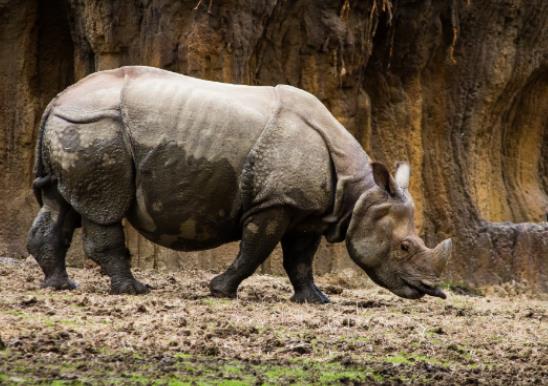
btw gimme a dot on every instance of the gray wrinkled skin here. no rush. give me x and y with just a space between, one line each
193 164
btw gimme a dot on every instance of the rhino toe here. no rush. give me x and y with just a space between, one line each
59 283
310 294
129 287
221 287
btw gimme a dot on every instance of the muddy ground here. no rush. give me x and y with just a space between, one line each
179 335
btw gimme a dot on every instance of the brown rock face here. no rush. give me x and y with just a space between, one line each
458 88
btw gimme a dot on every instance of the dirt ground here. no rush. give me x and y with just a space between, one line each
179 335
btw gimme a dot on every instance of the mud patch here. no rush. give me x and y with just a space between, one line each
203 192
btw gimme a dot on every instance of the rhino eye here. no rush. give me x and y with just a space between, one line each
405 246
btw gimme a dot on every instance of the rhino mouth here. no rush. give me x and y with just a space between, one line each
425 288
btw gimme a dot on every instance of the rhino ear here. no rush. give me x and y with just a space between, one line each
383 178
403 171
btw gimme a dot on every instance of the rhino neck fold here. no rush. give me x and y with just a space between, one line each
347 193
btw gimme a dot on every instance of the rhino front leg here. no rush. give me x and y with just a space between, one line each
298 253
260 234
105 245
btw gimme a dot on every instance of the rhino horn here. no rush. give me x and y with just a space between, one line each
440 256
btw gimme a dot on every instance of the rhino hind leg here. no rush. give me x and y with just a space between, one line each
261 232
50 236
298 253
105 244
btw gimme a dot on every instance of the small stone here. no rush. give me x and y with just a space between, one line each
438 330
142 309
302 349
182 322
29 302
347 361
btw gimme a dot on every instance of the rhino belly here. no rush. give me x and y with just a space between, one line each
186 203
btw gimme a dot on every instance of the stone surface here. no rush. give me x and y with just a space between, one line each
458 88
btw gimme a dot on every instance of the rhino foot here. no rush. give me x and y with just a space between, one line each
220 287
59 283
310 294
129 286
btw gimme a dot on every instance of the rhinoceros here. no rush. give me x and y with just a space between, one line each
193 164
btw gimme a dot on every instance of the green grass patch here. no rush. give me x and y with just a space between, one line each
398 360
186 369
6 379
19 314
217 302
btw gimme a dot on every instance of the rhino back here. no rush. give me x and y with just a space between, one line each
208 120
190 139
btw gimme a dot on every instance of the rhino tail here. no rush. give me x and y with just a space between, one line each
41 171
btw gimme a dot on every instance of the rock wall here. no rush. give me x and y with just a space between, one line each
459 88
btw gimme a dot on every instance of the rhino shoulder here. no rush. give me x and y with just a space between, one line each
349 161
287 167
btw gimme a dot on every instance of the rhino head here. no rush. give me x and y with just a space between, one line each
382 239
